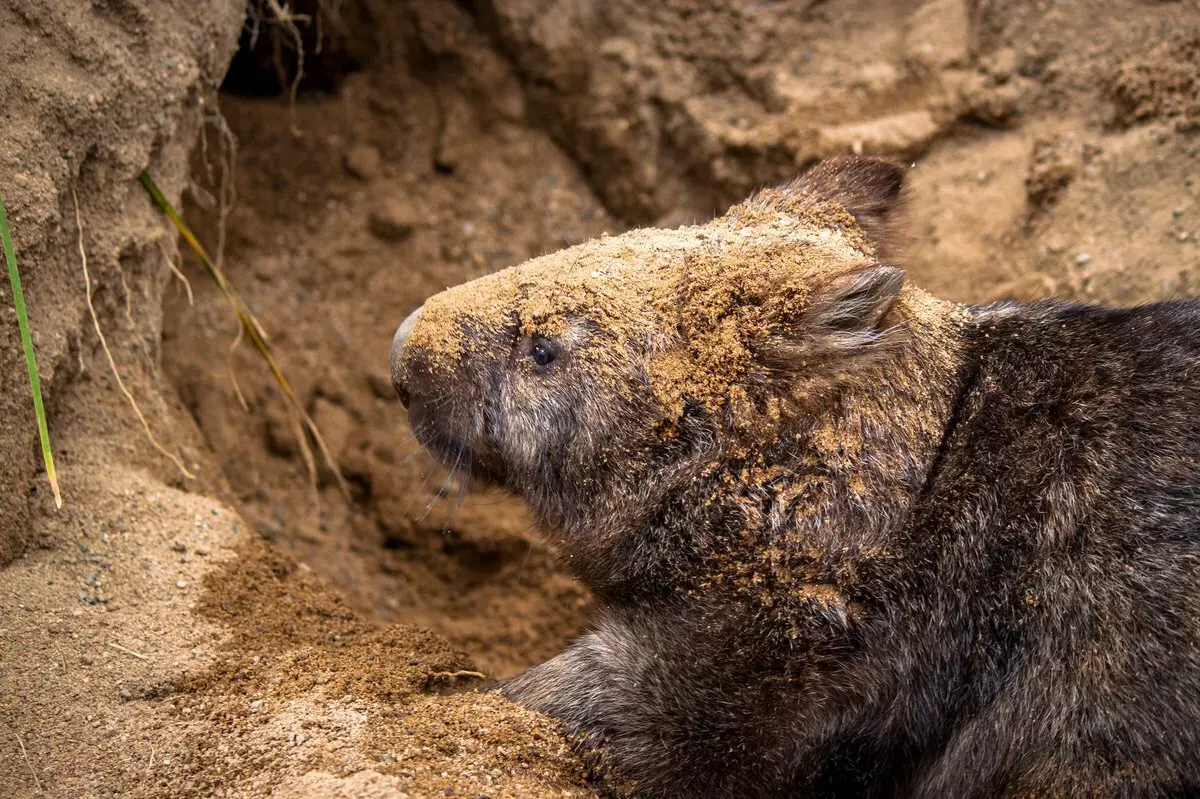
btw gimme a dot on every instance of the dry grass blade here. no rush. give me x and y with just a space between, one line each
37 784
253 330
129 652
35 385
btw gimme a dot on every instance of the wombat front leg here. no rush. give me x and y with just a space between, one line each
561 687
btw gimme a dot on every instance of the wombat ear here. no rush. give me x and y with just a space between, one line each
854 302
843 317
870 189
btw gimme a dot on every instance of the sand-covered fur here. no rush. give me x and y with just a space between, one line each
848 539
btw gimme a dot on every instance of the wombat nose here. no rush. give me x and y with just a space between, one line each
397 355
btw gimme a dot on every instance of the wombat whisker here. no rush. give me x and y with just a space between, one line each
412 498
415 454
528 554
433 464
441 400
486 496
464 481
429 506
441 492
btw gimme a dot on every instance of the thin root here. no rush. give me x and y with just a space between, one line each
287 19
256 335
454 675
297 417
226 191
120 648
187 284
87 283
128 297
233 372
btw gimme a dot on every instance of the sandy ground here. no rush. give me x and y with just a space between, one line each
246 634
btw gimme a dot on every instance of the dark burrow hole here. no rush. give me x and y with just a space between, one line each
335 39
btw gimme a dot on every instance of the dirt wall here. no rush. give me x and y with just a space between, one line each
91 95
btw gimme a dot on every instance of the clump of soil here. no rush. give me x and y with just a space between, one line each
440 142
307 689
1165 84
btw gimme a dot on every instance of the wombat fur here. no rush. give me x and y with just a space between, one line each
856 541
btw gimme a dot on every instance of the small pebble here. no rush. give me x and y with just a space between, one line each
1083 258
362 161
256 705
181 584
392 220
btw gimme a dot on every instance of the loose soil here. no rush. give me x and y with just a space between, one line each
248 634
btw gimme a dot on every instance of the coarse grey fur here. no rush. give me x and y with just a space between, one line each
1002 601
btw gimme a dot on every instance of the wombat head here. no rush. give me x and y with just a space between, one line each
594 381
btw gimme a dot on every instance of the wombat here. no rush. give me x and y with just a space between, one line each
846 539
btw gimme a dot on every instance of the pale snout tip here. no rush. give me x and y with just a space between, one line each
398 341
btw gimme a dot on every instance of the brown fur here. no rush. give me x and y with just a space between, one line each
847 540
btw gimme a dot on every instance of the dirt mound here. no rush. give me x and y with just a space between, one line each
305 689
148 631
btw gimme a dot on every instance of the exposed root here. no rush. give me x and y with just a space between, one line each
128 297
226 191
285 18
237 389
187 284
87 283
227 161
454 675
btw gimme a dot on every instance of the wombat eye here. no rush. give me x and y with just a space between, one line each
542 352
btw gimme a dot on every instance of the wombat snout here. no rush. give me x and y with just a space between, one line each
398 341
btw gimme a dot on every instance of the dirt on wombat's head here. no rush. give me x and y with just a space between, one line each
701 303
596 381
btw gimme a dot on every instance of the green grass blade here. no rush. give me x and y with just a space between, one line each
14 277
